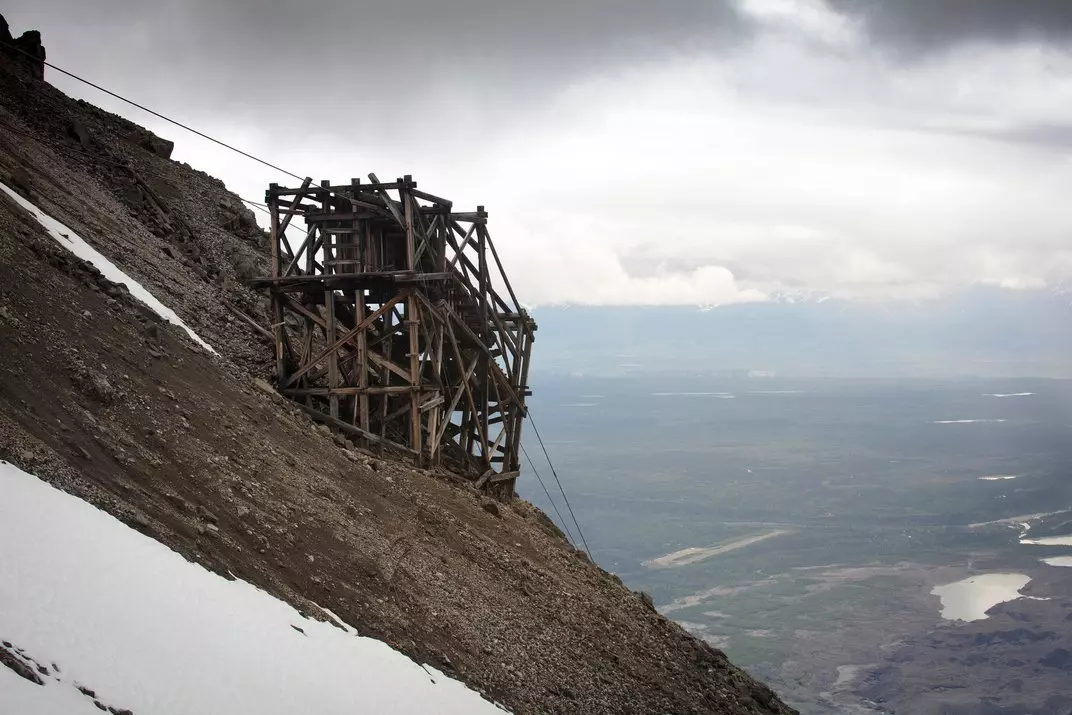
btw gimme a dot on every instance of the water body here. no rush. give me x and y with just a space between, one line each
969 599
1049 541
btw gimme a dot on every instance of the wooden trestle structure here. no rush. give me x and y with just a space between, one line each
391 327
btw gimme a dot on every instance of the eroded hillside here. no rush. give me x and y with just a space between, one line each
102 398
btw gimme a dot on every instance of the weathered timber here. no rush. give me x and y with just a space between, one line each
391 330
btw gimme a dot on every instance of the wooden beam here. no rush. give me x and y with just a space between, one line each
294 204
333 346
349 428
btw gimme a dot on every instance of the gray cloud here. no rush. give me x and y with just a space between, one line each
635 152
396 47
924 25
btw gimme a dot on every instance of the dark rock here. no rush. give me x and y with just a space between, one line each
78 132
152 143
158 146
1058 658
17 665
177 501
114 290
97 386
490 507
22 183
25 52
648 601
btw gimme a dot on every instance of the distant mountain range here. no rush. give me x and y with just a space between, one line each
977 332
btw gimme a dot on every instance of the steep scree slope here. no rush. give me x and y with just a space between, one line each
104 400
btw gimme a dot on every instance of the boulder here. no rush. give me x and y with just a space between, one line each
22 183
152 143
79 133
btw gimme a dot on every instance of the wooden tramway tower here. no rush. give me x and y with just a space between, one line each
390 325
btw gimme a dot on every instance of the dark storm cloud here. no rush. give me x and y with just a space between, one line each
400 44
387 63
401 31
921 25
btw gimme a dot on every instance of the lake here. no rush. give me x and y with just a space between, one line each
969 599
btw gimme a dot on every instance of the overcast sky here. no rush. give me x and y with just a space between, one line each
632 151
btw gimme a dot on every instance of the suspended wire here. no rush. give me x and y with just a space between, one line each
264 207
548 494
559 482
155 113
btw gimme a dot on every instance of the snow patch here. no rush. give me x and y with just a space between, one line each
1049 541
135 623
1009 394
78 246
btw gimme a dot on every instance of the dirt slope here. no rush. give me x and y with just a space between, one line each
107 402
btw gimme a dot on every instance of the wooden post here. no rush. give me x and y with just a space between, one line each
328 243
360 309
276 298
413 324
429 279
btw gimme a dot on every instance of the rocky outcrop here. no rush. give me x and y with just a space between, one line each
24 52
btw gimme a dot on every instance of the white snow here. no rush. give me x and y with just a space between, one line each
78 246
999 477
1058 561
146 630
1009 394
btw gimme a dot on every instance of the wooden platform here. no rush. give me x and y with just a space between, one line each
394 322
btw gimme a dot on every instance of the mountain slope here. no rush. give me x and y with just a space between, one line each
86 647
104 399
